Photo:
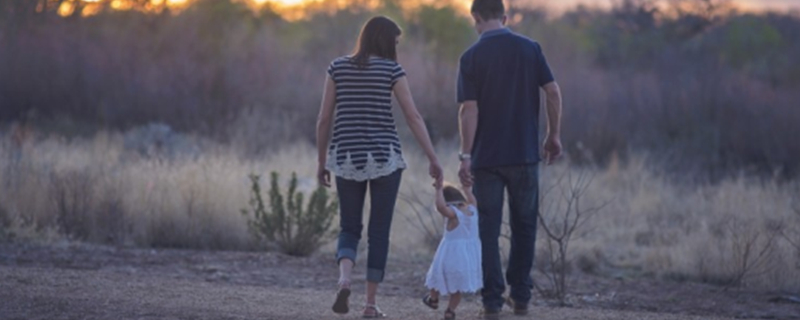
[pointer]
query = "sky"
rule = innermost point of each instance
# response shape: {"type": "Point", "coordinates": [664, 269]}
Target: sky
{"type": "Point", "coordinates": [757, 5]}
{"type": "Point", "coordinates": [760, 4]}
{"type": "Point", "coordinates": [286, 6]}
{"type": "Point", "coordinates": [775, 4]}
{"type": "Point", "coordinates": [290, 6]}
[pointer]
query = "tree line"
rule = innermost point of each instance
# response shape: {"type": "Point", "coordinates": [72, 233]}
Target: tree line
{"type": "Point", "coordinates": [695, 84]}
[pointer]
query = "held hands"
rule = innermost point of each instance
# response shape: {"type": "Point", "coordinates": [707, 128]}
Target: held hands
{"type": "Point", "coordinates": [552, 148]}
{"type": "Point", "coordinates": [435, 171]}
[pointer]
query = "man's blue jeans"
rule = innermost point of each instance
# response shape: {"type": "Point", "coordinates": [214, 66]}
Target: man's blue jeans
{"type": "Point", "coordinates": [490, 185]}
{"type": "Point", "coordinates": [383, 196]}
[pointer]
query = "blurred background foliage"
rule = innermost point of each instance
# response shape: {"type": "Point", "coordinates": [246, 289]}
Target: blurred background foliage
{"type": "Point", "coordinates": [698, 86]}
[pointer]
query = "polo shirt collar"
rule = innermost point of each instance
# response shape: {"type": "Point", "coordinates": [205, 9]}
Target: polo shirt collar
{"type": "Point", "coordinates": [495, 32]}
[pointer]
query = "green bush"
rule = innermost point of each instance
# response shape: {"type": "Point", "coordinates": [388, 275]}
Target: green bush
{"type": "Point", "coordinates": [285, 223]}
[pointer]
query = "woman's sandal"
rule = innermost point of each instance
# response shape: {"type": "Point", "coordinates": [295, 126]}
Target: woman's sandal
{"type": "Point", "coordinates": [430, 302]}
{"type": "Point", "coordinates": [372, 311]}
{"type": "Point", "coordinates": [341, 305]}
{"type": "Point", "coordinates": [449, 314]}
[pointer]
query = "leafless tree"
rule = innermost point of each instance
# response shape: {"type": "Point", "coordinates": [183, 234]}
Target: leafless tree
{"type": "Point", "coordinates": [563, 215]}
{"type": "Point", "coordinates": [424, 217]}
{"type": "Point", "coordinates": [751, 248]}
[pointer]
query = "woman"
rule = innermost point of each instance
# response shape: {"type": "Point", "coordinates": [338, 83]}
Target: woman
{"type": "Point", "coordinates": [364, 151]}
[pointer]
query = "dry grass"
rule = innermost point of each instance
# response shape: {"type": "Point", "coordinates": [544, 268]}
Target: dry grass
{"type": "Point", "coordinates": [96, 190]}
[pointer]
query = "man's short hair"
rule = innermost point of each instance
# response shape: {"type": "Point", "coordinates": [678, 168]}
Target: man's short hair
{"type": "Point", "coordinates": [488, 9]}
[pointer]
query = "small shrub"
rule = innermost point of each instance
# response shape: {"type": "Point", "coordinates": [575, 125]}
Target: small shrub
{"type": "Point", "coordinates": [71, 194]}
{"type": "Point", "coordinates": [748, 249]}
{"type": "Point", "coordinates": [111, 221]}
{"type": "Point", "coordinates": [295, 231]}
{"type": "Point", "coordinates": [5, 224]}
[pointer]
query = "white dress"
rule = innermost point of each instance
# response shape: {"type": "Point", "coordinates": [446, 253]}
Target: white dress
{"type": "Point", "coordinates": [456, 267]}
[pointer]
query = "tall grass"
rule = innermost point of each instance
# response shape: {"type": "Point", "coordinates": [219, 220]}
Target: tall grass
{"type": "Point", "coordinates": [709, 92]}
{"type": "Point", "coordinates": [96, 190]}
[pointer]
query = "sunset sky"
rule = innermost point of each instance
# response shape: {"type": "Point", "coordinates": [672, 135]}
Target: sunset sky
{"type": "Point", "coordinates": [749, 4]}
{"type": "Point", "coordinates": [292, 9]}
{"type": "Point", "coordinates": [287, 6]}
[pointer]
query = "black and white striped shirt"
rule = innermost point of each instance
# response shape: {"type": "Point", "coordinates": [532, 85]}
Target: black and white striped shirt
{"type": "Point", "coordinates": [365, 144]}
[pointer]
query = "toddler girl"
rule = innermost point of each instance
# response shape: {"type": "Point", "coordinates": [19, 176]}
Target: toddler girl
{"type": "Point", "coordinates": [456, 267]}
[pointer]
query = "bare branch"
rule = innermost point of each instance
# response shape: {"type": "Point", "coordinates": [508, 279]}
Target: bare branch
{"type": "Point", "coordinates": [424, 218]}
{"type": "Point", "coordinates": [560, 221]}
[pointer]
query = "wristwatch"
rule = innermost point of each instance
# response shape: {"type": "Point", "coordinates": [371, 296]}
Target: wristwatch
{"type": "Point", "coordinates": [464, 156]}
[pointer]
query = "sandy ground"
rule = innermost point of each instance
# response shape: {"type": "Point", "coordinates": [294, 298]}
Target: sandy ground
{"type": "Point", "coordinates": [43, 293]}
{"type": "Point", "coordinates": [109, 283]}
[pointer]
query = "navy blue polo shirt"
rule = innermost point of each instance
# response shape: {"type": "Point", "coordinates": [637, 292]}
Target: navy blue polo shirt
{"type": "Point", "coordinates": [503, 72]}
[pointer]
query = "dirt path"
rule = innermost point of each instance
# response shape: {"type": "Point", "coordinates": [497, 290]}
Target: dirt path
{"type": "Point", "coordinates": [95, 282]}
{"type": "Point", "coordinates": [45, 293]}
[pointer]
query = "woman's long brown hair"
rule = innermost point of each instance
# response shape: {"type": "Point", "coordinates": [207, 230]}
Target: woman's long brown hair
{"type": "Point", "coordinates": [378, 38]}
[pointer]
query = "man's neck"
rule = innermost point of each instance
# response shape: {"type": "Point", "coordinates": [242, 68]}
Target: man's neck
{"type": "Point", "coordinates": [491, 25]}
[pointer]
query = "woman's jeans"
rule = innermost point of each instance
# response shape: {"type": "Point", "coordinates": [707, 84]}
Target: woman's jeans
{"type": "Point", "coordinates": [383, 196]}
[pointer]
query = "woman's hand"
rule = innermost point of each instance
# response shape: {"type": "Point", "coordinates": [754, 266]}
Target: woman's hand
{"type": "Point", "coordinates": [323, 176]}
{"type": "Point", "coordinates": [435, 170]}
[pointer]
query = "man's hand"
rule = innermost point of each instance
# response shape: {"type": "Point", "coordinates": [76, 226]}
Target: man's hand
{"type": "Point", "coordinates": [465, 173]}
{"type": "Point", "coordinates": [552, 149]}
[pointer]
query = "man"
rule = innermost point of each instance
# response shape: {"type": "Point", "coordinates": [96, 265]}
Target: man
{"type": "Point", "coordinates": [499, 83]}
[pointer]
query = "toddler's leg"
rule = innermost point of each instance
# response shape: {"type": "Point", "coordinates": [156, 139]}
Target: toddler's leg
{"type": "Point", "coordinates": [431, 299]}
{"type": "Point", "coordinates": [450, 313]}
{"type": "Point", "coordinates": [434, 294]}
{"type": "Point", "coordinates": [455, 299]}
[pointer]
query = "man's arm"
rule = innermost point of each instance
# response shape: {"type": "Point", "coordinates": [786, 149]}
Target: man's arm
{"type": "Point", "coordinates": [467, 125]}
{"type": "Point", "coordinates": [552, 142]}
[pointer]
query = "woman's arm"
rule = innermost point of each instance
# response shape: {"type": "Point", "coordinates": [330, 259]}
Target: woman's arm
{"type": "Point", "coordinates": [324, 121]}
{"type": "Point", "coordinates": [417, 125]}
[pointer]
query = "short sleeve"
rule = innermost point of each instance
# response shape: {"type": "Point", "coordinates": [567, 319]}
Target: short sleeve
{"type": "Point", "coordinates": [466, 88]}
{"type": "Point", "coordinates": [545, 75]}
{"type": "Point", "coordinates": [332, 70]}
{"type": "Point", "coordinates": [397, 73]}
